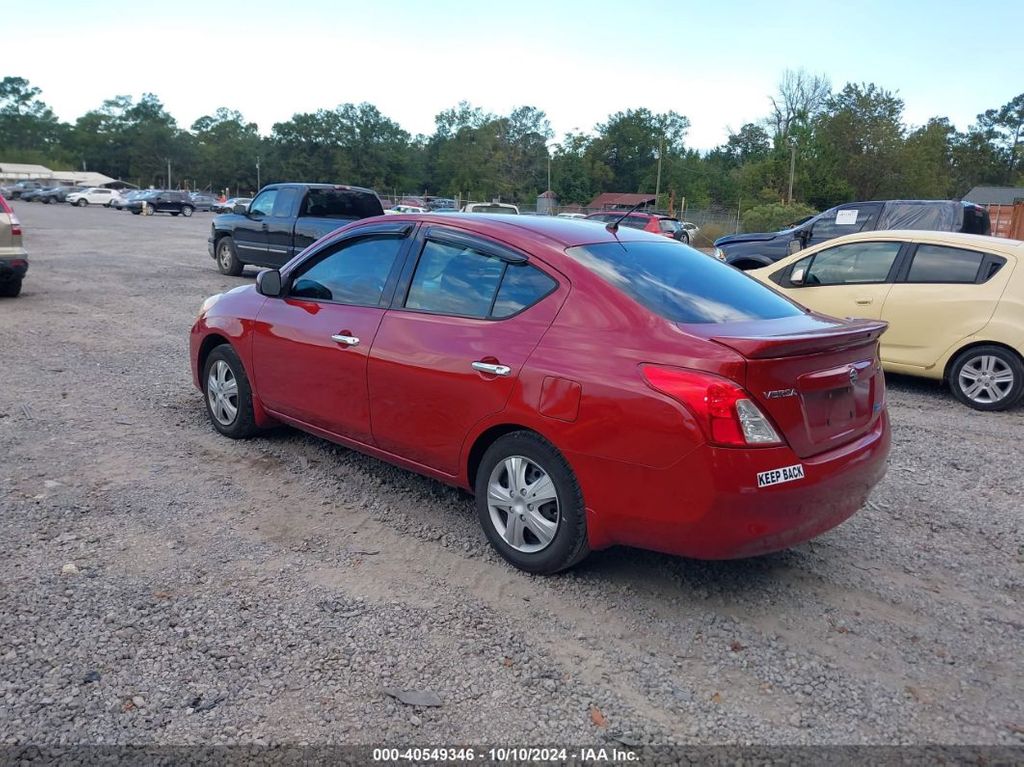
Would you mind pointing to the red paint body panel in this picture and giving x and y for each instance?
(648, 474)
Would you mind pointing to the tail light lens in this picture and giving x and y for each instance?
(15, 226)
(725, 411)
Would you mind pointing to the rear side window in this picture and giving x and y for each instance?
(341, 204)
(682, 284)
(937, 263)
(461, 281)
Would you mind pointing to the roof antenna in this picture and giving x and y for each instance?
(613, 226)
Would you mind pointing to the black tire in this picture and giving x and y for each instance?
(47, 201)
(11, 288)
(187, 211)
(569, 544)
(174, 213)
(684, 238)
(243, 424)
(81, 203)
(969, 369)
(227, 258)
(136, 212)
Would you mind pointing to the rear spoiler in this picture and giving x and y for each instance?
(848, 335)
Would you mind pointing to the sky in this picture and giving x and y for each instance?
(716, 63)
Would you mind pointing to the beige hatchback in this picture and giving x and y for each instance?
(13, 257)
(954, 303)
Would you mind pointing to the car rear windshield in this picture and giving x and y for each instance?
(342, 204)
(682, 284)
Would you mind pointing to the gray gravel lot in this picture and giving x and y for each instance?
(268, 590)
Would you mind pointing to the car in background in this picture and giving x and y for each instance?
(15, 191)
(32, 195)
(491, 207)
(93, 196)
(954, 303)
(406, 209)
(648, 222)
(162, 201)
(57, 194)
(692, 230)
(203, 201)
(753, 250)
(441, 204)
(228, 205)
(468, 349)
(571, 215)
(13, 256)
(121, 203)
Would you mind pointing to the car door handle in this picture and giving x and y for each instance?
(266, 227)
(494, 370)
(865, 301)
(345, 340)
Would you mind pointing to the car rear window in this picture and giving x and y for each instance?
(937, 263)
(341, 204)
(682, 284)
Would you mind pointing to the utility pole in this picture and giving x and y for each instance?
(792, 168)
(549, 171)
(657, 184)
(168, 172)
(257, 173)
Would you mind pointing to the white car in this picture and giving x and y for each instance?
(406, 209)
(490, 207)
(691, 232)
(571, 215)
(94, 196)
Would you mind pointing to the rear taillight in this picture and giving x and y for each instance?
(15, 226)
(725, 411)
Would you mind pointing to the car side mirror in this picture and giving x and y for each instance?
(268, 283)
(241, 209)
(798, 275)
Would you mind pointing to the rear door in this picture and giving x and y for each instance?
(448, 354)
(850, 280)
(942, 296)
(250, 232)
(310, 348)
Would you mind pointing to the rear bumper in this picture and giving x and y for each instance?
(708, 506)
(13, 266)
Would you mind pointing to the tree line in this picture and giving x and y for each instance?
(815, 145)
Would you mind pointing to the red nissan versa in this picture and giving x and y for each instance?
(592, 387)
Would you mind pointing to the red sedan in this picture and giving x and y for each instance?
(592, 386)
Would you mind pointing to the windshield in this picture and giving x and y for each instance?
(682, 284)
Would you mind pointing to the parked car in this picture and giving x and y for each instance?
(490, 207)
(572, 215)
(13, 256)
(954, 303)
(57, 194)
(405, 209)
(752, 251)
(692, 230)
(14, 191)
(203, 201)
(122, 201)
(228, 206)
(93, 196)
(31, 195)
(284, 219)
(649, 222)
(162, 201)
(442, 204)
(475, 350)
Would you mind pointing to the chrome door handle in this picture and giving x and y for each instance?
(346, 340)
(494, 370)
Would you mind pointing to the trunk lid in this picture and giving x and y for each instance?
(817, 378)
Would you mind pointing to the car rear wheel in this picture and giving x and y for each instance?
(530, 504)
(11, 288)
(228, 395)
(186, 211)
(227, 259)
(987, 378)
(82, 203)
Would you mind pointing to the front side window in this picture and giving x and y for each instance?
(263, 205)
(937, 263)
(857, 263)
(355, 273)
(682, 284)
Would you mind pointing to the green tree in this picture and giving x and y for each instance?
(1004, 127)
(29, 130)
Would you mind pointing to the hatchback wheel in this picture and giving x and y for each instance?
(987, 378)
(82, 203)
(530, 504)
(228, 395)
(227, 260)
(186, 211)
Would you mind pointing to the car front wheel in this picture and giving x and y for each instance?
(987, 378)
(228, 394)
(530, 504)
(227, 259)
(82, 203)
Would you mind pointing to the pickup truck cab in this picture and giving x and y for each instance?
(283, 220)
(754, 250)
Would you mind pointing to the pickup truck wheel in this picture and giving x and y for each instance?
(11, 288)
(186, 211)
(227, 259)
(82, 203)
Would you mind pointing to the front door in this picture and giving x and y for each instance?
(449, 353)
(310, 347)
(250, 233)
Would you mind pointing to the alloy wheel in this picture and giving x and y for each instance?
(523, 504)
(222, 393)
(986, 379)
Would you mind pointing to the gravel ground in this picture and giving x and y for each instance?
(164, 585)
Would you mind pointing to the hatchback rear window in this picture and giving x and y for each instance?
(682, 284)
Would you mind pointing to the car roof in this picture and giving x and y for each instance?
(564, 232)
(300, 185)
(952, 239)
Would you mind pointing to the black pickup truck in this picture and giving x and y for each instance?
(282, 220)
